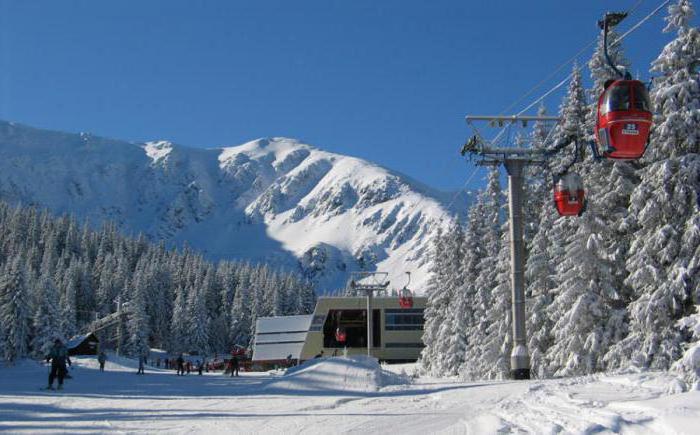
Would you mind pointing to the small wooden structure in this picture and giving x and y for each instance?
(84, 344)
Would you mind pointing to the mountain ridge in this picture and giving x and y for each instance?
(273, 199)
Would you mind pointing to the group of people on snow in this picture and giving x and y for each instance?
(60, 361)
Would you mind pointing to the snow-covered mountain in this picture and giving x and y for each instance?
(274, 199)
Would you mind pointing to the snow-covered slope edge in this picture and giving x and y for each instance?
(274, 200)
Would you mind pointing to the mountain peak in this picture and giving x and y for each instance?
(272, 199)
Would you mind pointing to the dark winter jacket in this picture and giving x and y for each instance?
(59, 355)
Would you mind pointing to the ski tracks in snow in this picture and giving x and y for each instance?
(579, 405)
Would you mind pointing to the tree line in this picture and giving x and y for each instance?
(57, 277)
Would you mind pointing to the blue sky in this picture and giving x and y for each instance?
(389, 81)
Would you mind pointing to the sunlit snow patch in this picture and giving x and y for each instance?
(158, 150)
(353, 373)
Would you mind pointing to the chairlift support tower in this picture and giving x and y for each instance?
(369, 283)
(515, 160)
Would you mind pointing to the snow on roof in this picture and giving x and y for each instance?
(75, 341)
(278, 337)
(269, 325)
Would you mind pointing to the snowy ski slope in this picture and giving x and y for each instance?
(336, 396)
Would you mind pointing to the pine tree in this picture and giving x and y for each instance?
(539, 276)
(68, 300)
(489, 205)
(451, 338)
(15, 315)
(664, 260)
(178, 328)
(436, 305)
(138, 323)
(47, 325)
(581, 249)
(198, 321)
(498, 341)
(240, 318)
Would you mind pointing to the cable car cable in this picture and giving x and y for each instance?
(561, 66)
(612, 44)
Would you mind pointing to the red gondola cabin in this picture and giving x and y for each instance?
(405, 298)
(569, 195)
(624, 120)
(341, 336)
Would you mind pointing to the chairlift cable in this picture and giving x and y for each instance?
(464, 186)
(568, 77)
(561, 66)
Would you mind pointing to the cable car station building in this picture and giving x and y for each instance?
(396, 332)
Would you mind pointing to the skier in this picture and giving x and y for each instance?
(142, 361)
(58, 356)
(200, 367)
(234, 366)
(102, 358)
(180, 365)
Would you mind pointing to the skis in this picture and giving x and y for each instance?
(50, 389)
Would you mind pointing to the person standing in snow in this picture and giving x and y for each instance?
(200, 367)
(142, 361)
(234, 366)
(58, 355)
(180, 365)
(102, 358)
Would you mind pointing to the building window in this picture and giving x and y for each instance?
(353, 322)
(404, 319)
(317, 322)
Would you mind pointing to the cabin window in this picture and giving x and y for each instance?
(641, 97)
(617, 98)
(404, 319)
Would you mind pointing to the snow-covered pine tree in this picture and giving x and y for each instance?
(467, 303)
(435, 306)
(664, 256)
(240, 318)
(138, 322)
(68, 299)
(584, 324)
(178, 323)
(198, 321)
(451, 337)
(536, 186)
(47, 325)
(15, 314)
(489, 205)
(306, 298)
(539, 278)
(498, 340)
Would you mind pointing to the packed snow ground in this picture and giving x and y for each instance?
(335, 395)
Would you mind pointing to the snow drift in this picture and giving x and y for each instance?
(336, 374)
